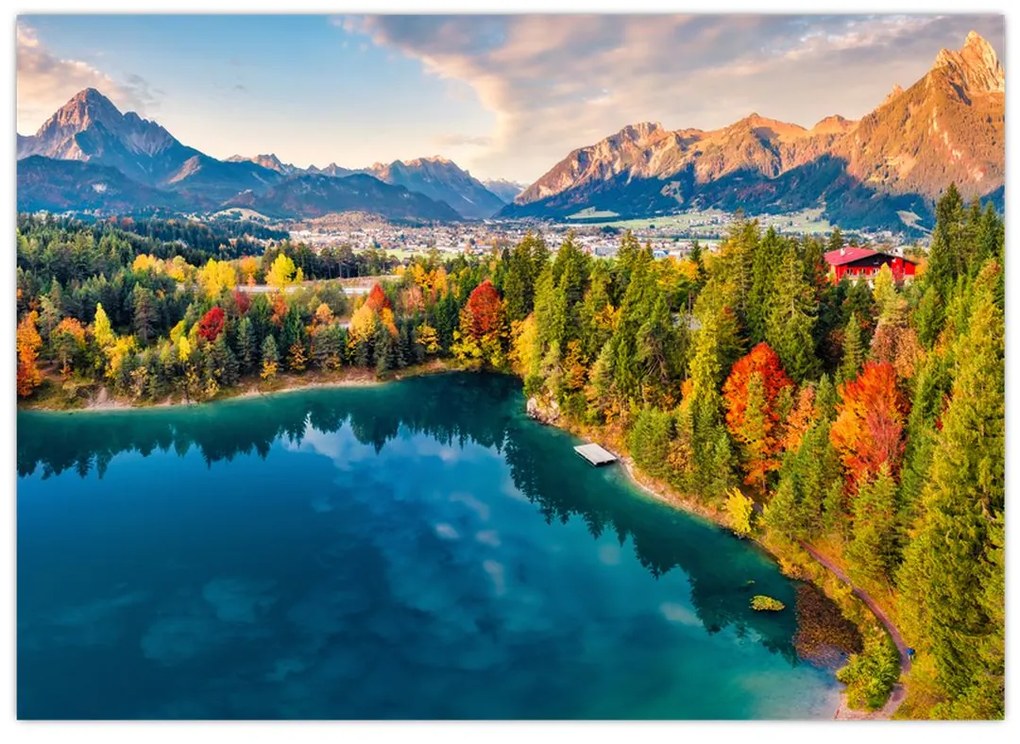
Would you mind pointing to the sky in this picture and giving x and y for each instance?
(503, 96)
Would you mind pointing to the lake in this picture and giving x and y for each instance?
(414, 550)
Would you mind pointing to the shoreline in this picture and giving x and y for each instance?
(664, 494)
(669, 496)
(103, 402)
(652, 487)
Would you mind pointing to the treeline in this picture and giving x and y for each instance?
(866, 419)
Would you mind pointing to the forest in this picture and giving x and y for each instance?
(867, 420)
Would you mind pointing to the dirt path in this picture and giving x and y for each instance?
(898, 692)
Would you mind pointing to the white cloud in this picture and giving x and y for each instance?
(46, 82)
(559, 82)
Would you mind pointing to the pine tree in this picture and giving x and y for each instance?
(270, 358)
(247, 348)
(944, 255)
(836, 239)
(525, 263)
(790, 322)
(853, 351)
(956, 552)
(144, 313)
(929, 316)
(765, 264)
(872, 551)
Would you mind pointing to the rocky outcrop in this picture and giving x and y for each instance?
(547, 412)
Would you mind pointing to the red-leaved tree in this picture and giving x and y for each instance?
(377, 299)
(242, 300)
(870, 417)
(211, 324)
(485, 311)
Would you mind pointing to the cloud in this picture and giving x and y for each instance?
(46, 82)
(463, 140)
(559, 82)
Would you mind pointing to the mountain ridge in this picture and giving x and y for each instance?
(893, 154)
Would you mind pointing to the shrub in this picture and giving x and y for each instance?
(763, 603)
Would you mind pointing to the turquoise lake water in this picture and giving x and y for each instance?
(415, 550)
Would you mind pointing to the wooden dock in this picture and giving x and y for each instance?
(594, 454)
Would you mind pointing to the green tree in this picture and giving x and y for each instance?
(270, 358)
(872, 552)
(765, 264)
(144, 314)
(944, 255)
(791, 318)
(853, 351)
(248, 353)
(951, 581)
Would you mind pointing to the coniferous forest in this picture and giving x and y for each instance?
(866, 421)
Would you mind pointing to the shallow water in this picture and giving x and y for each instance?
(414, 550)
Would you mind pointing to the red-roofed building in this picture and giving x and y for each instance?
(863, 263)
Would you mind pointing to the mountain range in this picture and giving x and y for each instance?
(436, 177)
(948, 126)
(90, 156)
(881, 171)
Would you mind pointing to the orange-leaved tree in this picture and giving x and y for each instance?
(870, 417)
(751, 394)
(377, 299)
(28, 343)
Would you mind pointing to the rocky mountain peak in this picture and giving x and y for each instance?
(85, 108)
(975, 67)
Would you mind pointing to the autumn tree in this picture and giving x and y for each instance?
(217, 277)
(211, 324)
(895, 341)
(750, 394)
(68, 341)
(480, 336)
(283, 273)
(740, 510)
(868, 431)
(28, 344)
(377, 299)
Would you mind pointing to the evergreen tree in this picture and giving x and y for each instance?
(947, 242)
(270, 358)
(765, 264)
(957, 548)
(384, 350)
(872, 552)
(523, 267)
(247, 346)
(929, 316)
(853, 351)
(790, 321)
(836, 239)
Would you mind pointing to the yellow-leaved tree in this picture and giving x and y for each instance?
(283, 273)
(216, 277)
